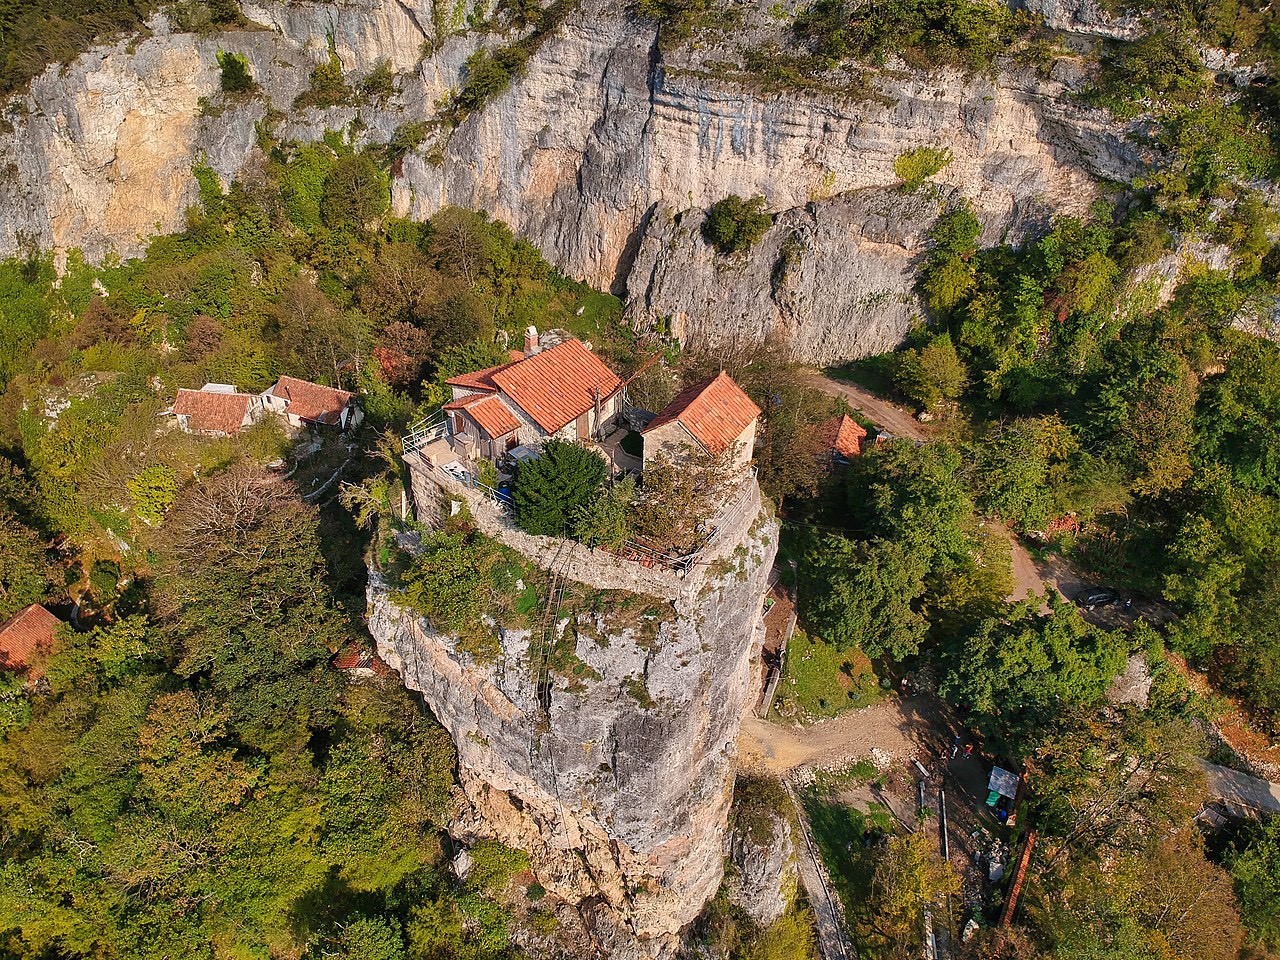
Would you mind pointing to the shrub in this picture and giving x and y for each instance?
(914, 167)
(734, 224)
(153, 491)
(604, 521)
(931, 373)
(446, 581)
(493, 864)
(679, 495)
(927, 34)
(553, 489)
(328, 86)
(381, 81)
(236, 77)
(356, 192)
(104, 577)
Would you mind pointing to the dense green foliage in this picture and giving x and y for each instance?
(227, 793)
(927, 34)
(553, 489)
(912, 552)
(1156, 421)
(916, 166)
(236, 76)
(734, 225)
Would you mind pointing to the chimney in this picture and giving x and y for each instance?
(530, 340)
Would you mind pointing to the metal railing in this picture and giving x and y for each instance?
(425, 431)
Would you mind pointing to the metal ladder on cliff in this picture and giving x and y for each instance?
(540, 655)
(546, 635)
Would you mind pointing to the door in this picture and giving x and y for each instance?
(584, 427)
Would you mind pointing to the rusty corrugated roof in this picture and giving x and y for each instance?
(714, 411)
(212, 412)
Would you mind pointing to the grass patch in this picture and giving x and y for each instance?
(840, 832)
(821, 680)
(870, 373)
(858, 772)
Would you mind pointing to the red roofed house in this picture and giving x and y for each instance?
(301, 402)
(842, 437)
(24, 637)
(216, 409)
(713, 414)
(564, 391)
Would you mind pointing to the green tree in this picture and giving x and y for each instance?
(606, 520)
(867, 595)
(916, 166)
(242, 595)
(1112, 780)
(1018, 471)
(369, 938)
(24, 567)
(356, 192)
(236, 76)
(910, 876)
(678, 494)
(1254, 862)
(931, 373)
(153, 490)
(1018, 673)
(734, 225)
(553, 488)
(1164, 900)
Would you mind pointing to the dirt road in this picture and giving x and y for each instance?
(884, 414)
(898, 727)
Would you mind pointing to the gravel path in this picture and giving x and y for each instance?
(896, 726)
(881, 412)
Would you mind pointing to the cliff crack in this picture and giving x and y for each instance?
(412, 15)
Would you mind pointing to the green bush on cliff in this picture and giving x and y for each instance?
(236, 76)
(734, 225)
(916, 166)
(927, 34)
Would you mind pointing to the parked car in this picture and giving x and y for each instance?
(1092, 597)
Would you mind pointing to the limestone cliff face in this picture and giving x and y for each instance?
(832, 279)
(590, 154)
(620, 790)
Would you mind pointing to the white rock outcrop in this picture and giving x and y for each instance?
(589, 154)
(619, 783)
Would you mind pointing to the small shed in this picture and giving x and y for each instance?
(25, 638)
(1003, 782)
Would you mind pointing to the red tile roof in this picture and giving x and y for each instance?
(843, 435)
(311, 401)
(715, 411)
(355, 657)
(488, 411)
(23, 635)
(207, 411)
(482, 379)
(558, 385)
